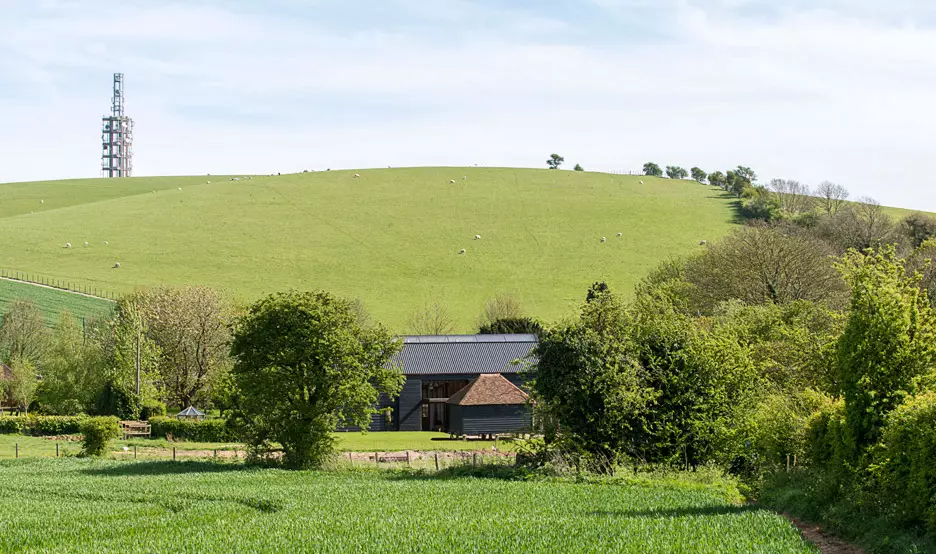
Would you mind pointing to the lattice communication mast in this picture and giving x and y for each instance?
(117, 136)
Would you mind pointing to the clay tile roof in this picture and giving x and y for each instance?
(6, 374)
(489, 389)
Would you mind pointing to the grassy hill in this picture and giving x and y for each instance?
(391, 237)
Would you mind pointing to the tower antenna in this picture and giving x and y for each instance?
(117, 136)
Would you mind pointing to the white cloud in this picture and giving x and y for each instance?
(806, 92)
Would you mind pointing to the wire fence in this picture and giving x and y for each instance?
(59, 284)
(625, 172)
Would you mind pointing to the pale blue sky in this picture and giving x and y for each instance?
(806, 89)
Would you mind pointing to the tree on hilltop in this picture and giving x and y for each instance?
(578, 168)
(718, 179)
(698, 174)
(554, 161)
(676, 172)
(652, 170)
(832, 197)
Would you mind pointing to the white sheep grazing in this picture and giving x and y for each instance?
(86, 243)
(42, 201)
(641, 182)
(356, 175)
(464, 177)
(603, 239)
(703, 243)
(452, 181)
(620, 234)
(106, 243)
(116, 265)
(67, 245)
(477, 237)
(207, 182)
(180, 188)
(462, 251)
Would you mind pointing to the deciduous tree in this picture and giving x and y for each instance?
(652, 169)
(676, 172)
(698, 174)
(302, 365)
(554, 161)
(832, 197)
(431, 319)
(23, 333)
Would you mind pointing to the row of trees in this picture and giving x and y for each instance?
(502, 313)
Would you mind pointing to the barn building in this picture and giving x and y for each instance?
(489, 405)
(437, 367)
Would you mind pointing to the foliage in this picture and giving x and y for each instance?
(757, 203)
(98, 433)
(888, 344)
(48, 426)
(906, 462)
(736, 183)
(758, 264)
(718, 179)
(578, 168)
(512, 325)
(23, 334)
(190, 326)
(72, 377)
(432, 319)
(554, 161)
(206, 430)
(501, 306)
(302, 366)
(125, 336)
(792, 196)
(653, 170)
(259, 510)
(832, 197)
(676, 172)
(22, 389)
(919, 228)
(698, 174)
(152, 408)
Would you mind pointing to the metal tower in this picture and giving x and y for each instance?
(117, 136)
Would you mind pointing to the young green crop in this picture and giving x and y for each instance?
(199, 507)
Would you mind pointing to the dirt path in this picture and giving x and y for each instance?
(827, 544)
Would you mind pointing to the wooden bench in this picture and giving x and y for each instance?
(131, 429)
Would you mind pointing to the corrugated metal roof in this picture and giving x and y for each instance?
(441, 354)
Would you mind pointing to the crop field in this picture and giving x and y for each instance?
(106, 506)
(390, 237)
(53, 302)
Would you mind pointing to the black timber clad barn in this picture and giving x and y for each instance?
(438, 366)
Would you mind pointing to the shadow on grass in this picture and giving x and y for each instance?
(689, 511)
(737, 216)
(503, 473)
(124, 469)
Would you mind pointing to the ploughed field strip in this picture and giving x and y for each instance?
(105, 506)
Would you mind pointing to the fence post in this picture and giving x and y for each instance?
(376, 460)
(409, 462)
(437, 461)
(216, 453)
(173, 454)
(788, 463)
(56, 450)
(17, 450)
(134, 452)
(350, 459)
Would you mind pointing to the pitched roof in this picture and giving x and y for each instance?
(6, 374)
(190, 411)
(446, 354)
(487, 390)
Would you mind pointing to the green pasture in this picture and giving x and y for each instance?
(53, 302)
(106, 506)
(390, 237)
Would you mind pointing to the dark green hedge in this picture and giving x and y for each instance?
(208, 430)
(41, 425)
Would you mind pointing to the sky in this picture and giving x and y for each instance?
(813, 90)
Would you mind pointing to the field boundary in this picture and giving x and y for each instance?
(59, 284)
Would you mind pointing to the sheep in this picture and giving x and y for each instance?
(116, 265)
(452, 181)
(207, 182)
(180, 188)
(464, 177)
(477, 237)
(603, 239)
(703, 243)
(86, 243)
(42, 201)
(106, 243)
(462, 251)
(620, 234)
(356, 175)
(641, 182)
(67, 245)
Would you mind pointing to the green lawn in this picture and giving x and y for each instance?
(390, 237)
(53, 302)
(347, 442)
(105, 506)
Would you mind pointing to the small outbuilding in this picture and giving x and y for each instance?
(191, 413)
(489, 405)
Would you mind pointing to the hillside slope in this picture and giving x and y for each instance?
(391, 237)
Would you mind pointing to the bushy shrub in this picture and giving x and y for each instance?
(11, 425)
(208, 430)
(152, 408)
(98, 433)
(827, 436)
(40, 425)
(55, 425)
(906, 461)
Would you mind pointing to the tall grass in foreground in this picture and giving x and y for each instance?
(97, 506)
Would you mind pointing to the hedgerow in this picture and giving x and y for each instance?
(41, 425)
(208, 430)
